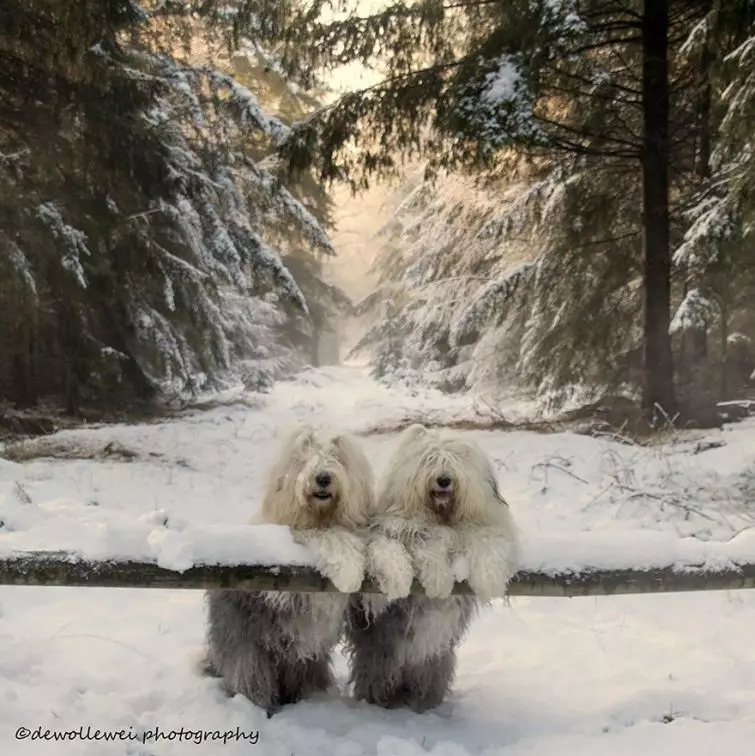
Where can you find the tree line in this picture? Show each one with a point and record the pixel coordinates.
(160, 229)
(625, 127)
(147, 252)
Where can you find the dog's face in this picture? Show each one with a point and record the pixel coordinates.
(438, 477)
(441, 494)
(320, 480)
(433, 471)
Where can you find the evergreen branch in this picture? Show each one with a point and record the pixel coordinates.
(637, 94)
(611, 42)
(581, 93)
(607, 10)
(584, 134)
(616, 25)
(609, 240)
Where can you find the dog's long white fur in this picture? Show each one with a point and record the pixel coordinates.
(274, 647)
(479, 528)
(438, 500)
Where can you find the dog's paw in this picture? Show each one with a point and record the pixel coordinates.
(437, 578)
(391, 566)
(489, 572)
(348, 574)
(397, 584)
(488, 586)
(432, 562)
(346, 562)
(339, 556)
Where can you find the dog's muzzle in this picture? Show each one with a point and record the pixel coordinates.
(441, 496)
(322, 490)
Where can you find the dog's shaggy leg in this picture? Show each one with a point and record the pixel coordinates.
(432, 561)
(339, 556)
(391, 565)
(370, 642)
(265, 648)
(424, 686)
(303, 677)
(492, 556)
(234, 652)
(388, 665)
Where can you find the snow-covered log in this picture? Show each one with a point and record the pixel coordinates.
(65, 569)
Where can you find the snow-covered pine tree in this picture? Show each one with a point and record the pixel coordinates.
(326, 303)
(564, 84)
(135, 248)
(714, 256)
(443, 311)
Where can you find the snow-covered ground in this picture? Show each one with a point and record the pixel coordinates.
(660, 674)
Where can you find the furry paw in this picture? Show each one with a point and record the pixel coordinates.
(348, 576)
(432, 562)
(391, 566)
(339, 556)
(437, 578)
(487, 586)
(491, 567)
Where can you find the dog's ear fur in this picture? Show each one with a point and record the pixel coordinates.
(297, 437)
(341, 441)
(305, 436)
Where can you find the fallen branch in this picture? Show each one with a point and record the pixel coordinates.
(486, 424)
(64, 569)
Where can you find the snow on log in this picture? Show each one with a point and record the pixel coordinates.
(66, 569)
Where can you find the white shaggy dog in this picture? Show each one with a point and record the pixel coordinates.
(275, 648)
(439, 500)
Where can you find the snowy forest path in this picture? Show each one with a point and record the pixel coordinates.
(543, 676)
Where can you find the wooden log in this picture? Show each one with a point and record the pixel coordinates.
(64, 569)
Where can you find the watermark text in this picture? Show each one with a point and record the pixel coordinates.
(182, 735)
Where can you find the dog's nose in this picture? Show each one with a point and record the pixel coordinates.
(444, 481)
(323, 479)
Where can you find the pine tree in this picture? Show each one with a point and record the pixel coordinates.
(325, 302)
(714, 253)
(137, 226)
(566, 83)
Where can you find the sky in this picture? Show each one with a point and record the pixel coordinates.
(357, 219)
(355, 76)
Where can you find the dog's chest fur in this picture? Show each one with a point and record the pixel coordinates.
(423, 627)
(310, 622)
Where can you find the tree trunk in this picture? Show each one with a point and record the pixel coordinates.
(723, 387)
(658, 386)
(24, 384)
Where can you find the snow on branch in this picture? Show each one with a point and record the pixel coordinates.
(489, 301)
(74, 241)
(65, 569)
(695, 312)
(245, 104)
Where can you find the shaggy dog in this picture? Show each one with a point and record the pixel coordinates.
(272, 647)
(439, 500)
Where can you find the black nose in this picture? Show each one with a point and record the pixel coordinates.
(444, 481)
(323, 479)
